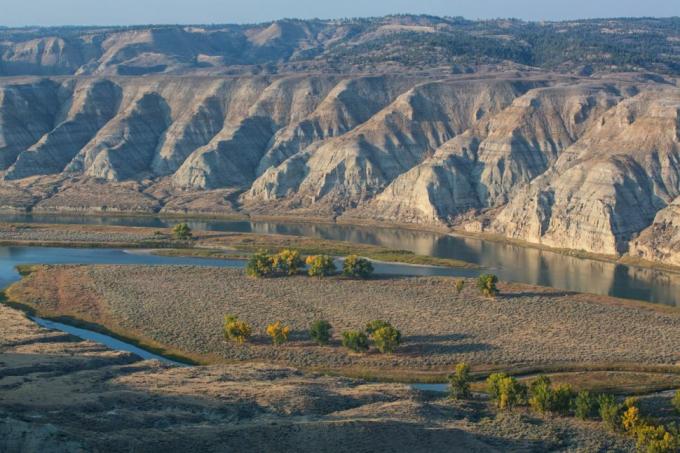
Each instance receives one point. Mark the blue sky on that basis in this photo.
(125, 12)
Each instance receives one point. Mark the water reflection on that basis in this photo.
(510, 262)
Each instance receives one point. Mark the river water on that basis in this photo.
(510, 262)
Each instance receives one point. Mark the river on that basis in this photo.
(509, 261)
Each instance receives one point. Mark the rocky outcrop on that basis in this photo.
(567, 162)
(357, 165)
(91, 106)
(27, 112)
(608, 185)
(126, 146)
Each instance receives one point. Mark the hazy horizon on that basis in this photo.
(159, 12)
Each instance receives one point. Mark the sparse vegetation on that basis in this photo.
(320, 265)
(236, 330)
(459, 382)
(357, 267)
(278, 332)
(355, 341)
(486, 283)
(320, 331)
(182, 232)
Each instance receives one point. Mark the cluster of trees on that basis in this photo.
(541, 396)
(290, 262)
(182, 232)
(385, 337)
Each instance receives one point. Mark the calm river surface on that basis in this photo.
(510, 262)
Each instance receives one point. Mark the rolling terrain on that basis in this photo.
(565, 135)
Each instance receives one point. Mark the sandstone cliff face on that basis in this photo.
(608, 185)
(567, 162)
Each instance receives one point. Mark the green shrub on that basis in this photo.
(320, 265)
(487, 285)
(287, 262)
(541, 394)
(357, 267)
(320, 331)
(386, 339)
(260, 264)
(459, 382)
(181, 231)
(460, 284)
(278, 333)
(610, 412)
(676, 401)
(354, 340)
(585, 405)
(235, 330)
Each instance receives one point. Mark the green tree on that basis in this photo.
(459, 382)
(585, 405)
(493, 385)
(357, 267)
(320, 331)
(287, 262)
(562, 399)
(506, 392)
(181, 231)
(236, 330)
(260, 264)
(386, 339)
(541, 394)
(610, 412)
(511, 393)
(354, 340)
(278, 332)
(676, 401)
(320, 265)
(487, 285)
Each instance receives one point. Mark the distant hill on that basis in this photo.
(384, 44)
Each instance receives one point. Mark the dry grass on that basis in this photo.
(526, 330)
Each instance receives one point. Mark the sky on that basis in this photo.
(130, 12)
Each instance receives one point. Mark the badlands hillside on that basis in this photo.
(562, 134)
